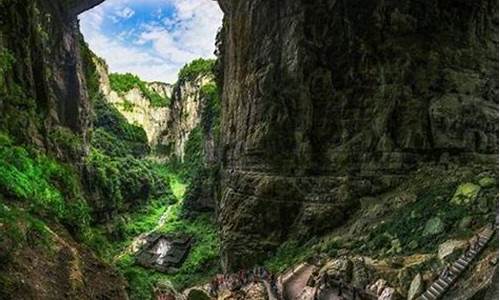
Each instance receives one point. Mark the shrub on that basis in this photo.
(70, 143)
(195, 69)
(47, 187)
(114, 135)
(89, 69)
(123, 180)
(123, 83)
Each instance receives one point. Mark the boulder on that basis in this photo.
(255, 291)
(450, 250)
(466, 194)
(378, 287)
(388, 294)
(416, 287)
(487, 182)
(338, 269)
(433, 226)
(465, 223)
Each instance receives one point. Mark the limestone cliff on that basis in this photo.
(45, 89)
(325, 101)
(168, 128)
(135, 107)
(45, 110)
(185, 114)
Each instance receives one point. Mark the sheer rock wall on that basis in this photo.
(325, 101)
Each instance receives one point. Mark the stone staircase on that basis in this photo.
(442, 284)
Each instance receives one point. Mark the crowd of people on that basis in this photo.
(236, 281)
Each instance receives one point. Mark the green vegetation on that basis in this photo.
(201, 263)
(7, 60)
(128, 106)
(122, 83)
(113, 135)
(199, 173)
(45, 187)
(89, 69)
(210, 117)
(288, 254)
(195, 69)
(68, 142)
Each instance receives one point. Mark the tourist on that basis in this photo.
(355, 293)
(445, 274)
(274, 286)
(341, 286)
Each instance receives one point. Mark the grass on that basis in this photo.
(178, 188)
(407, 224)
(201, 262)
(288, 254)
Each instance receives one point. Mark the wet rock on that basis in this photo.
(466, 194)
(417, 287)
(433, 226)
(255, 291)
(465, 223)
(378, 287)
(360, 273)
(338, 269)
(388, 293)
(451, 249)
(287, 69)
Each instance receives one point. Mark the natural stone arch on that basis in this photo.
(77, 7)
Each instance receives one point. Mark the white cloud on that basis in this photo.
(125, 13)
(152, 50)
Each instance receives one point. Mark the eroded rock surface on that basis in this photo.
(324, 101)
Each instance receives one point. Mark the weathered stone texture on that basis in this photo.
(315, 90)
(46, 87)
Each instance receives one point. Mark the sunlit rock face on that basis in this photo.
(167, 128)
(185, 114)
(135, 107)
(324, 101)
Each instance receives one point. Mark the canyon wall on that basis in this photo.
(168, 128)
(185, 115)
(135, 107)
(45, 109)
(45, 89)
(325, 101)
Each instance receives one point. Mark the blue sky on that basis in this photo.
(152, 38)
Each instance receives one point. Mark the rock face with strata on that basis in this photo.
(41, 39)
(135, 107)
(327, 100)
(185, 114)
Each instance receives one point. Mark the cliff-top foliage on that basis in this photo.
(123, 83)
(196, 68)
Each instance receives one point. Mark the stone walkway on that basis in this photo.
(270, 294)
(295, 284)
(442, 284)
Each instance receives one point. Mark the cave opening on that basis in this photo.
(149, 67)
